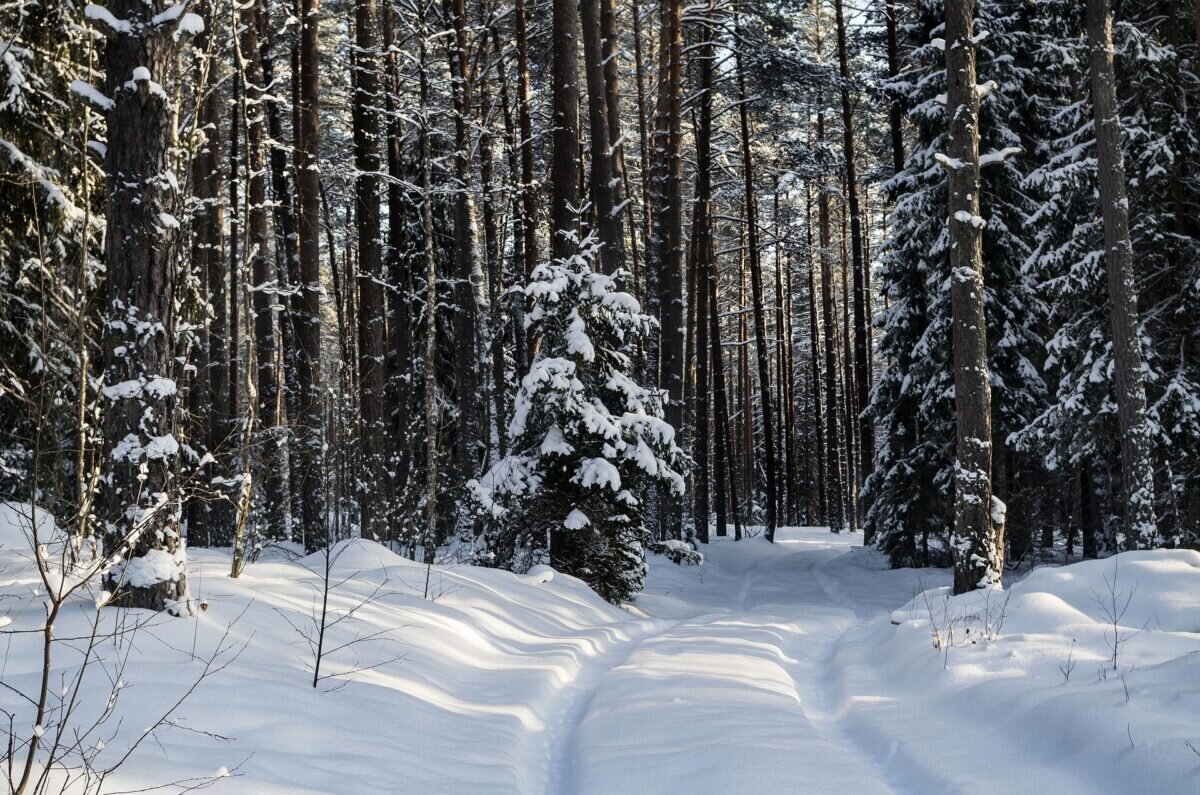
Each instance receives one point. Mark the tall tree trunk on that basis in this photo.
(605, 181)
(142, 506)
(760, 322)
(978, 561)
(835, 494)
(372, 312)
(643, 135)
(469, 295)
(432, 400)
(862, 362)
(208, 254)
(725, 466)
(784, 489)
(491, 243)
(849, 398)
(1137, 470)
(705, 266)
(818, 418)
(788, 417)
(308, 327)
(233, 353)
(895, 109)
(400, 311)
(667, 235)
(564, 156)
(516, 219)
(528, 192)
(564, 165)
(286, 252)
(262, 271)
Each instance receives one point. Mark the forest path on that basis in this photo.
(737, 689)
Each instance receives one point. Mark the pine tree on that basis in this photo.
(586, 439)
(908, 496)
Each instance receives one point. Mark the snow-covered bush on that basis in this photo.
(678, 552)
(586, 438)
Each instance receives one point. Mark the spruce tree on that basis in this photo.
(586, 440)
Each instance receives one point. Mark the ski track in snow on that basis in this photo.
(776, 628)
(560, 769)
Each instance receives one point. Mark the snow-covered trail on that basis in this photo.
(738, 691)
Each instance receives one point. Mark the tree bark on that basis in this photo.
(140, 451)
(1136, 440)
(760, 322)
(834, 491)
(978, 560)
(372, 312)
(895, 108)
(286, 252)
(605, 181)
(564, 166)
(862, 319)
(528, 193)
(469, 288)
(705, 274)
(308, 327)
(818, 418)
(208, 256)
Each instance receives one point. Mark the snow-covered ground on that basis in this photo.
(800, 667)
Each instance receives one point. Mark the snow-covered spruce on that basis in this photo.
(586, 438)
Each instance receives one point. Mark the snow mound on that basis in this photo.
(540, 574)
(358, 554)
(1087, 675)
(1155, 591)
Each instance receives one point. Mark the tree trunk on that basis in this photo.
(308, 328)
(372, 312)
(491, 244)
(1137, 468)
(605, 182)
(262, 272)
(208, 256)
(834, 492)
(401, 313)
(705, 275)
(818, 418)
(528, 192)
(862, 319)
(760, 322)
(142, 507)
(895, 109)
(978, 561)
(564, 165)
(468, 275)
(643, 136)
(664, 258)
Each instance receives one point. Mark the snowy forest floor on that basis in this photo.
(801, 667)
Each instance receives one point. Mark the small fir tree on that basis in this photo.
(586, 440)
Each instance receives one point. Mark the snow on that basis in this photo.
(82, 88)
(104, 17)
(155, 566)
(576, 520)
(598, 472)
(771, 668)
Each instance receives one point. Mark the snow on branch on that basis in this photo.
(103, 19)
(983, 89)
(993, 158)
(90, 95)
